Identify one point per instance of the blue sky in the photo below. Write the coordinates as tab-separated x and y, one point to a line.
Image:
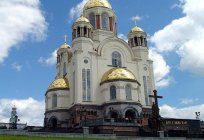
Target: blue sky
32	30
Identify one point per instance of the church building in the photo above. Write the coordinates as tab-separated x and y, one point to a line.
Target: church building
101	80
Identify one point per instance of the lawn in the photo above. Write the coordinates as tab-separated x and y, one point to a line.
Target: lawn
9	137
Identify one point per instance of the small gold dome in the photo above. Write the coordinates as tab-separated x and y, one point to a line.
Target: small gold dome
61	83
118	74
136	29
97	3
64	46
81	19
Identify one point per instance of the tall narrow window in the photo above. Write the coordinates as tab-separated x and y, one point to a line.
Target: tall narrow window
74	86
54	100
105	21
112	92
78	32
85	31
86	85
92	20
149	88
146	90
116	59
64	69
128	92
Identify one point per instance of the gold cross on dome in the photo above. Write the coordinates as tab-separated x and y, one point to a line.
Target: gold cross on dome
65	38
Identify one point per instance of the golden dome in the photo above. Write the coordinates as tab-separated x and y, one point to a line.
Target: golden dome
61	83
64	46
136	29
118	74
81	19
97	3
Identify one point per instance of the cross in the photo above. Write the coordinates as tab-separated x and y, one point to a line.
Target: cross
65	38
155	112
134	19
156	98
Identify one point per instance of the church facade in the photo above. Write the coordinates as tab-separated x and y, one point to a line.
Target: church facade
100	76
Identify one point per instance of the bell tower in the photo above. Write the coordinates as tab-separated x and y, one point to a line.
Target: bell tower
101	17
137	40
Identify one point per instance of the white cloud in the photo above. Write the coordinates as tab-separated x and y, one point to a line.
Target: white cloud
161	69
51	60
29	110
124	37
77	10
187	101
184	113
16	66
20	19
185	37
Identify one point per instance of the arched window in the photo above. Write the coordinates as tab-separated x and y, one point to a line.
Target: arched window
64	68
105	21
112	92
92	20
54	100
116	59
128	92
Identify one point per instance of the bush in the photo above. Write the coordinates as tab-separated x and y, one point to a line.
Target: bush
3	127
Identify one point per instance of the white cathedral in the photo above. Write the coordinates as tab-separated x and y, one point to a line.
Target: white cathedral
100	77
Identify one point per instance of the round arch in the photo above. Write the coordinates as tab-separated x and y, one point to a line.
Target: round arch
53	121
120	41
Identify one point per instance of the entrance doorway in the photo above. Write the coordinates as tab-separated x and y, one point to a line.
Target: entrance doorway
54	123
130	115
114	115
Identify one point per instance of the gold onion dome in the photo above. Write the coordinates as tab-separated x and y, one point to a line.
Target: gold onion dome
61	83
64	46
118	74
136	29
81	19
97	3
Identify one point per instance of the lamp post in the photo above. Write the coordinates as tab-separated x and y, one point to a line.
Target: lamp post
197	115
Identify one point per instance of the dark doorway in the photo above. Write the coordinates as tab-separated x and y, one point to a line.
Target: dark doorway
130	115
114	115
54	123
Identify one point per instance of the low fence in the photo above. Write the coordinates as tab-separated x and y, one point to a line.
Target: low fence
50	134
72	135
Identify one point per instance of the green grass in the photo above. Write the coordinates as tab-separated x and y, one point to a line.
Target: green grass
10	137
